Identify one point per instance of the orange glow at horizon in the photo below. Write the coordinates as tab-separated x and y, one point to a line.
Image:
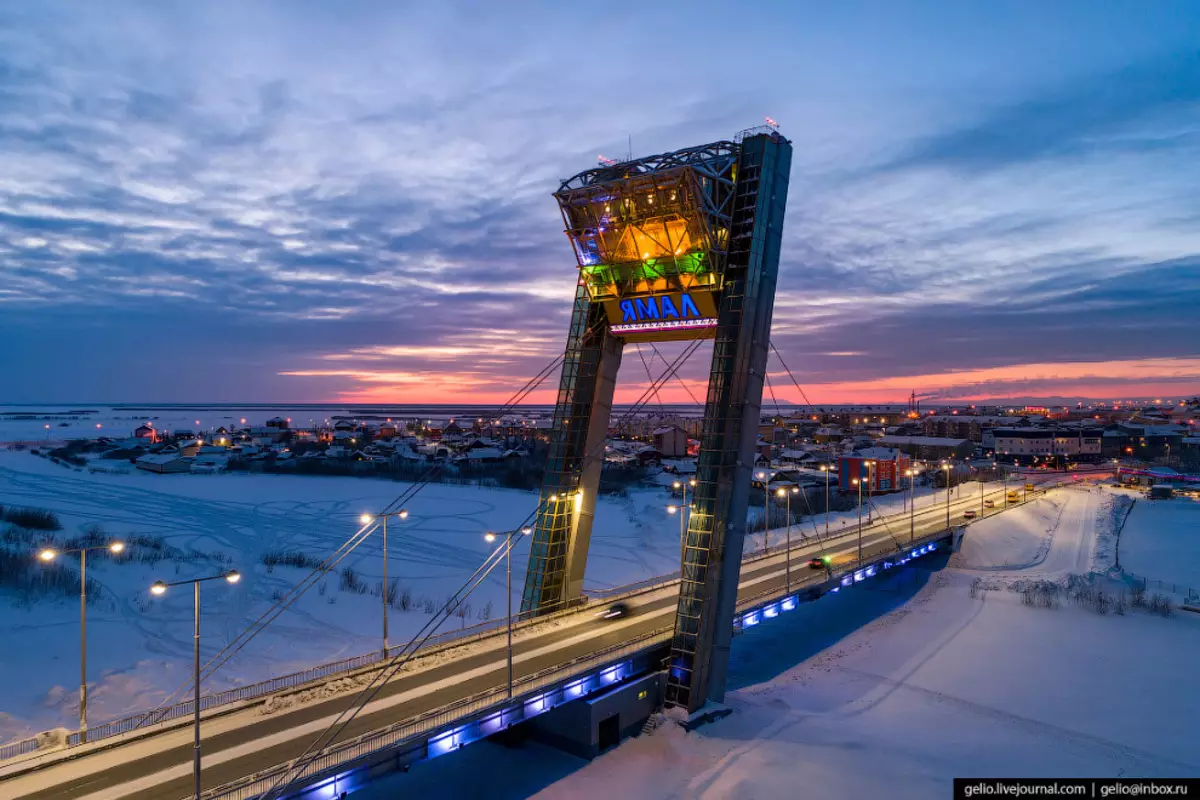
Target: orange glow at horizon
1151	376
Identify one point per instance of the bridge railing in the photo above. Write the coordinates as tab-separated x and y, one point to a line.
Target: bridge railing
280	683
428	722
14	749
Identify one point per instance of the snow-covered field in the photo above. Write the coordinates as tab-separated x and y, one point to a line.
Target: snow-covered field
895	689
1161	541
139	647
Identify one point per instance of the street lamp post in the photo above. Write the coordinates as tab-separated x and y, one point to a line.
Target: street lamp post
490	537
858	483
765	477
49	554
981	493
787	569
366	519
870	489
825	469
683	486
912	504
159	588
946	467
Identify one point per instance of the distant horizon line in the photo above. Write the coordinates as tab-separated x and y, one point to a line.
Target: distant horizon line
185	406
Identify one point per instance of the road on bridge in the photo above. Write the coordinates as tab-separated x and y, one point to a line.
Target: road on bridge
246	741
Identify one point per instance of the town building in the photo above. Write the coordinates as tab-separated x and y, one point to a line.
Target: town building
930	448
885	475
163	464
671	441
1027	445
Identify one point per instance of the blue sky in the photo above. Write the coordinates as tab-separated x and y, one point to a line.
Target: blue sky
306	201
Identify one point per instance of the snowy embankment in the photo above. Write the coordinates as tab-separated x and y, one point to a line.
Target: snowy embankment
895	689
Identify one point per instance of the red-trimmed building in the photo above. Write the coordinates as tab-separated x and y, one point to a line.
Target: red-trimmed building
887	475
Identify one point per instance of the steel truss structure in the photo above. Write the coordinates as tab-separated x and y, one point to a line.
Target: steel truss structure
685	245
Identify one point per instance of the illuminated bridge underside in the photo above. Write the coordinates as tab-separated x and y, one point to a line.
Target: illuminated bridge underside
683	245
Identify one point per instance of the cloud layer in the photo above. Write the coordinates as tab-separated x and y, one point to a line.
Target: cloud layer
292	202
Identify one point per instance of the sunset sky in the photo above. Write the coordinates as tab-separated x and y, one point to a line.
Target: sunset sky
313	201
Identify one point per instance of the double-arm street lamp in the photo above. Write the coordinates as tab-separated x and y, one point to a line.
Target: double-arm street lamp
160	588
367	519
858	483
765	477
490	537
870	489
47	555
826	469
782	492
912	504
946	468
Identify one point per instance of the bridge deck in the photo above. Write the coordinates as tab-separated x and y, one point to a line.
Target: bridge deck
247	742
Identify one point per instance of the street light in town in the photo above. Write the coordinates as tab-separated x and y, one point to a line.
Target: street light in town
508	544
946	468
781	492
683	523
826	470
912	504
367	519
47	555
159	588
765	477
870	488
858	483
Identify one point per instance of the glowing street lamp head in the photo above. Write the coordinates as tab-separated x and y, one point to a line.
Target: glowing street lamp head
489	537
233	576
854	481
781	493
116	547
676	485
158	588
526	531
48	554
365	519
692	482
671	509
403	513
761	475
795	490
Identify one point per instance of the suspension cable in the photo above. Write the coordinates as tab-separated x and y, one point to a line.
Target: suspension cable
790	375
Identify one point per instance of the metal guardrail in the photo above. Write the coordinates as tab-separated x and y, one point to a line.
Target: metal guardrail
397	733
18	748
280	683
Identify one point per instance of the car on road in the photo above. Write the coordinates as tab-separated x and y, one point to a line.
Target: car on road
989	503
616	611
970	514
816	563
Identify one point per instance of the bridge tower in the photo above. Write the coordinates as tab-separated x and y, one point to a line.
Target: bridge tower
683	245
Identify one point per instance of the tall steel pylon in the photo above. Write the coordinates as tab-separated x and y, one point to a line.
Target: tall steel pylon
682	245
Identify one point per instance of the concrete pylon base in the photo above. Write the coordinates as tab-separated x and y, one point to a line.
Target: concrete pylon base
709	712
